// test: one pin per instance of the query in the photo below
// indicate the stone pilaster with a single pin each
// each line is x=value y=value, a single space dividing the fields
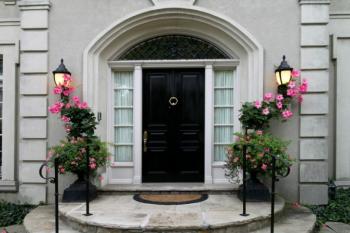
x=314 y=52
x=33 y=98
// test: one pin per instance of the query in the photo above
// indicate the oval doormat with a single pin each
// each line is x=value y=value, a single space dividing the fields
x=170 y=199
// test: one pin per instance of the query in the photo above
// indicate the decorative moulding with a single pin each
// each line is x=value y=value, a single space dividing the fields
x=173 y=2
x=10 y=2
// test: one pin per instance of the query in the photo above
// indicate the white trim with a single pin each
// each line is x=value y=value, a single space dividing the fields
x=173 y=2
x=137 y=158
x=223 y=63
x=208 y=131
x=120 y=181
x=9 y=116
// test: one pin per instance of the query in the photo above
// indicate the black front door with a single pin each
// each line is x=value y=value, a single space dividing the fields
x=173 y=125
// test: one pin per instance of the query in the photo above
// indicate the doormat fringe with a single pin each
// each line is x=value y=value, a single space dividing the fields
x=170 y=199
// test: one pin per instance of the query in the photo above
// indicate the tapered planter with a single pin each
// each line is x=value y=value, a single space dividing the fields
x=255 y=191
x=76 y=192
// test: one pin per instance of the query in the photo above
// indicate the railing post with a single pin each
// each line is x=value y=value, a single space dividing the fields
x=244 y=150
x=53 y=180
x=87 y=193
x=272 y=224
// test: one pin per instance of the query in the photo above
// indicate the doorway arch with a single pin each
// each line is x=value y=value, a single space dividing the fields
x=158 y=21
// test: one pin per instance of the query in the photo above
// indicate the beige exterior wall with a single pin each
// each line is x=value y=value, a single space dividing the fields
x=297 y=29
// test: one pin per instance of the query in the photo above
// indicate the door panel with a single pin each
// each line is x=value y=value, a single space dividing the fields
x=175 y=134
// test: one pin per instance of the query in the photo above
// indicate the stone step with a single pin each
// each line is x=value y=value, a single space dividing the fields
x=294 y=220
x=121 y=213
x=113 y=189
x=42 y=220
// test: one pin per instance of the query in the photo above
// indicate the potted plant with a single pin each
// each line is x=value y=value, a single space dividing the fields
x=260 y=149
x=71 y=154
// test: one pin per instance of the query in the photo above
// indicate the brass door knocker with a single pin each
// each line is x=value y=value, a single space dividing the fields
x=173 y=101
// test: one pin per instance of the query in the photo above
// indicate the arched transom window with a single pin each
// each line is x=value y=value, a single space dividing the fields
x=172 y=47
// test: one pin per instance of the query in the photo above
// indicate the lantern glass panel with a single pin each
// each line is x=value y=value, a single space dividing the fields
x=283 y=77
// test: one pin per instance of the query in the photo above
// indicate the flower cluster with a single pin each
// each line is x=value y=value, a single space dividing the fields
x=71 y=155
x=260 y=149
x=80 y=124
x=256 y=115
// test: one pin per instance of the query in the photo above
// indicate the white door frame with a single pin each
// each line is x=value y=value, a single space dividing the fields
x=136 y=66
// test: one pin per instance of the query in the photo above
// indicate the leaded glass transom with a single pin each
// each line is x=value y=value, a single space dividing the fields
x=171 y=47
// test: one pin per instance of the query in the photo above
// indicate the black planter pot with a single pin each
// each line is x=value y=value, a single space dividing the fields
x=76 y=192
x=255 y=191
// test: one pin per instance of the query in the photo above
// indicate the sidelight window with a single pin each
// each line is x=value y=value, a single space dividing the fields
x=123 y=116
x=223 y=112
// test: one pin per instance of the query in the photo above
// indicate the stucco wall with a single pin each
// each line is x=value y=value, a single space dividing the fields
x=8 y=11
x=275 y=24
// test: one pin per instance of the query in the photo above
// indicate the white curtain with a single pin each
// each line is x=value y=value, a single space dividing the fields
x=123 y=116
x=223 y=112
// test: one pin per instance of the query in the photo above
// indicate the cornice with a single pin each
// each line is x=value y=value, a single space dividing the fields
x=34 y=5
x=314 y=2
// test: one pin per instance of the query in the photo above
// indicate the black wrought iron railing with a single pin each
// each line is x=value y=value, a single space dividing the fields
x=53 y=180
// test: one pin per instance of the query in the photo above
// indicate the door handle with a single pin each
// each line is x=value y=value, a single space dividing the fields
x=145 y=139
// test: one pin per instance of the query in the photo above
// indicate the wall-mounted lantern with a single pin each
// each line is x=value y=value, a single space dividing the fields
x=283 y=76
x=59 y=74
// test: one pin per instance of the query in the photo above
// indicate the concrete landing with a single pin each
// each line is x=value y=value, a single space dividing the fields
x=219 y=213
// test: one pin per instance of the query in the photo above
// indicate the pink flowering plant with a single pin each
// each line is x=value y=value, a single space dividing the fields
x=79 y=123
x=257 y=115
x=260 y=148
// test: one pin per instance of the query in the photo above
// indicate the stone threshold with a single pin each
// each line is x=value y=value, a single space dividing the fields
x=169 y=188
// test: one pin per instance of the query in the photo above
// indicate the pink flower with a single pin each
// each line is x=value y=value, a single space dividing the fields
x=56 y=108
x=292 y=92
x=261 y=154
x=66 y=92
x=65 y=119
x=100 y=178
x=300 y=98
x=295 y=73
x=264 y=167
x=266 y=149
x=236 y=159
x=279 y=97
x=68 y=105
x=303 y=87
x=291 y=84
x=266 y=111
x=257 y=104
x=286 y=114
x=4 y=231
x=92 y=165
x=279 y=105
x=68 y=128
x=259 y=132
x=83 y=105
x=57 y=90
x=76 y=100
x=268 y=97
x=61 y=169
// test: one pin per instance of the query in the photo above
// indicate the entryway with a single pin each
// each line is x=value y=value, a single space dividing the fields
x=173 y=125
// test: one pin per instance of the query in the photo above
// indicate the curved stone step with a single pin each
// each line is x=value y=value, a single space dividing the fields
x=42 y=220
x=118 y=214
x=294 y=220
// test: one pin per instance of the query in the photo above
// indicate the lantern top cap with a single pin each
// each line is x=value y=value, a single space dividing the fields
x=61 y=69
x=284 y=65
